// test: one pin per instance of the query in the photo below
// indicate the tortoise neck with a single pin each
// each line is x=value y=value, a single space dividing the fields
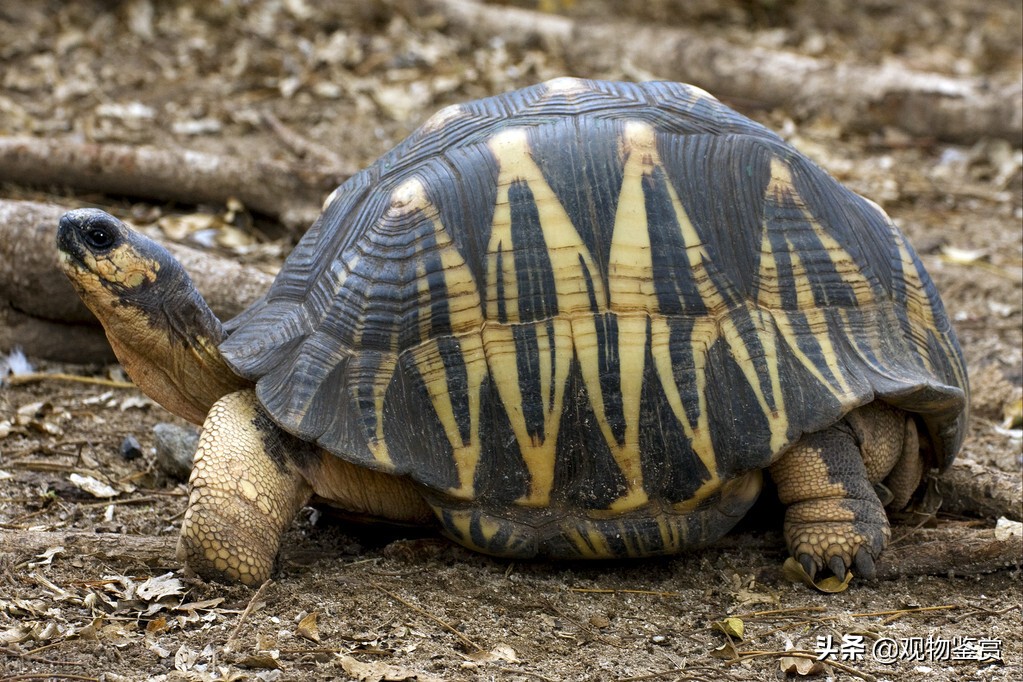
x=167 y=339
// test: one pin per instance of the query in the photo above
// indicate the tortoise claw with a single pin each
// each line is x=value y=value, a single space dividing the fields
x=808 y=564
x=838 y=567
x=864 y=563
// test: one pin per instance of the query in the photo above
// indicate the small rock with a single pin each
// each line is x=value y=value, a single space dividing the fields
x=130 y=448
x=175 y=446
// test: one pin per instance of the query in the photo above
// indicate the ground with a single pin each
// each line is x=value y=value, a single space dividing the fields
x=374 y=604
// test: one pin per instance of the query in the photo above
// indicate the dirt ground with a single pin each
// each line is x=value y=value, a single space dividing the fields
x=371 y=604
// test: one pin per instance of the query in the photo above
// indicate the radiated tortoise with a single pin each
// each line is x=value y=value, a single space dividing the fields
x=573 y=321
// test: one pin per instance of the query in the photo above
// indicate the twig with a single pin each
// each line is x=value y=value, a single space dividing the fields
x=597 y=590
x=530 y=673
x=746 y=655
x=899 y=613
x=248 y=609
x=36 y=377
x=301 y=144
x=465 y=640
x=666 y=673
x=48 y=676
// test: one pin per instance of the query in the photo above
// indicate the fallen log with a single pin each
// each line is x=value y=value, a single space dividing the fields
x=42 y=312
x=976 y=490
x=860 y=97
x=950 y=549
x=292 y=194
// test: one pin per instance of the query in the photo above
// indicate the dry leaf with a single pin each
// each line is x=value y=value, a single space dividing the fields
x=1006 y=528
x=262 y=661
x=954 y=254
x=307 y=628
x=376 y=671
x=733 y=627
x=800 y=665
x=156 y=588
x=793 y=572
x=501 y=652
x=156 y=626
x=93 y=486
x=46 y=558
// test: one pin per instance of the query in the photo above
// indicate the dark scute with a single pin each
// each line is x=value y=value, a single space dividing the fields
x=585 y=473
x=527 y=361
x=537 y=296
x=739 y=430
x=585 y=174
x=414 y=435
x=674 y=285
x=670 y=466
x=720 y=180
x=501 y=477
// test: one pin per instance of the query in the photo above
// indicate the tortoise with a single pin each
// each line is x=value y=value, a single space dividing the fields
x=577 y=320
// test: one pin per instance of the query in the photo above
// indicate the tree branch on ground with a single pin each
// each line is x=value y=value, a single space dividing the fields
x=290 y=193
x=858 y=96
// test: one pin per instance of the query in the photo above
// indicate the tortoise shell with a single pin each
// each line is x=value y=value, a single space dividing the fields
x=590 y=299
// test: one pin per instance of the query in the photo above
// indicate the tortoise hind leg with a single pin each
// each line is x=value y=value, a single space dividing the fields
x=834 y=517
x=245 y=488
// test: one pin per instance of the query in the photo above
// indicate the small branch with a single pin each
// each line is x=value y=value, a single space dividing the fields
x=248 y=609
x=465 y=640
x=38 y=377
x=293 y=194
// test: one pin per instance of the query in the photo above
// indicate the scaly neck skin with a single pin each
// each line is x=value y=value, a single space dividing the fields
x=171 y=353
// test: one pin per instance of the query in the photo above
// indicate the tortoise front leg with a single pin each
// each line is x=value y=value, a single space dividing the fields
x=834 y=518
x=246 y=487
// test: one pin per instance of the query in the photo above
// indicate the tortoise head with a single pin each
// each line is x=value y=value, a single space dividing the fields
x=158 y=325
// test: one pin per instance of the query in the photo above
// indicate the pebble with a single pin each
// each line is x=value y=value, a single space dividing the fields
x=130 y=448
x=175 y=446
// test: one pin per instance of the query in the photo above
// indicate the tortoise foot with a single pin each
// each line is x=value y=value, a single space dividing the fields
x=245 y=490
x=834 y=520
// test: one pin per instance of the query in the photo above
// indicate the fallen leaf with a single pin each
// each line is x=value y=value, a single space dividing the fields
x=733 y=627
x=156 y=626
x=800 y=665
x=46 y=558
x=93 y=486
x=501 y=652
x=1006 y=528
x=307 y=628
x=793 y=572
x=158 y=587
x=262 y=661
x=954 y=254
x=375 y=671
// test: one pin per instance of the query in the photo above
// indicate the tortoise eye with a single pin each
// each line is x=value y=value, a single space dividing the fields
x=99 y=237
